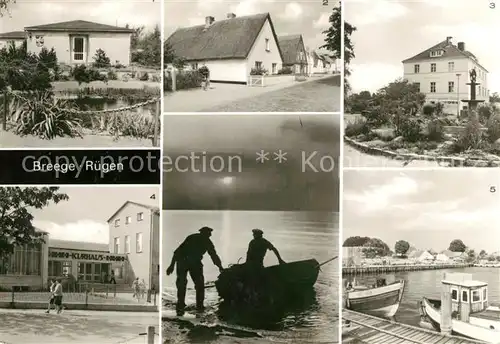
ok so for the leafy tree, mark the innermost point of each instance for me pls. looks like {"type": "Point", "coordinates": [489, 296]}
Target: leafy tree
{"type": "Point", "coordinates": [482, 254]}
{"type": "Point", "coordinates": [377, 247]}
{"type": "Point", "coordinates": [147, 46]}
{"type": "Point", "coordinates": [333, 41]}
{"type": "Point", "coordinates": [5, 5]}
{"type": "Point", "coordinates": [491, 258]}
{"type": "Point", "coordinates": [401, 247]}
{"type": "Point", "coordinates": [16, 219]}
{"type": "Point", "coordinates": [457, 245]}
{"type": "Point", "coordinates": [498, 258]}
{"type": "Point", "coordinates": [359, 102]}
{"type": "Point", "coordinates": [471, 256]}
{"type": "Point", "coordinates": [400, 96]}
{"type": "Point", "coordinates": [101, 60]}
{"type": "Point", "coordinates": [356, 241]}
{"type": "Point", "coordinates": [135, 37]}
{"type": "Point", "coordinates": [24, 71]}
{"type": "Point", "coordinates": [495, 98]}
{"type": "Point", "coordinates": [168, 53]}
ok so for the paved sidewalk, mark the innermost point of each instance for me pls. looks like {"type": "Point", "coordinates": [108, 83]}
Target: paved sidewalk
{"type": "Point", "coordinates": [75, 327]}
{"type": "Point", "coordinates": [219, 94]}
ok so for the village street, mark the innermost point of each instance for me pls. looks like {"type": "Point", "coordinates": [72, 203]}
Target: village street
{"type": "Point", "coordinates": [34, 326]}
{"type": "Point", "coordinates": [314, 95]}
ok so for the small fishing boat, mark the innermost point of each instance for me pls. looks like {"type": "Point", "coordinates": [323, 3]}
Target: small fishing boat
{"type": "Point", "coordinates": [239, 284]}
{"type": "Point", "coordinates": [467, 312]}
{"type": "Point", "coordinates": [381, 300]}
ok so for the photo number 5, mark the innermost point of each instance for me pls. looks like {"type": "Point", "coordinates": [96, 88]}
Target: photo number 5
{"type": "Point", "coordinates": [493, 189]}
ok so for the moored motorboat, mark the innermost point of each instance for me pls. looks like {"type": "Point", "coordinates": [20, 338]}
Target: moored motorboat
{"type": "Point", "coordinates": [381, 300]}
{"type": "Point", "coordinates": [463, 310]}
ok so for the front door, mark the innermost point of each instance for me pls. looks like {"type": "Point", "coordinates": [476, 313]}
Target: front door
{"type": "Point", "coordinates": [79, 49]}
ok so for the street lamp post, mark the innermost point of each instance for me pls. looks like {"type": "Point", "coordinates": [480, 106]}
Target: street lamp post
{"type": "Point", "coordinates": [458, 95]}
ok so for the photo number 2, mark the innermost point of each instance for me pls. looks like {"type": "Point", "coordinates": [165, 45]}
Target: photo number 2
{"type": "Point", "coordinates": [325, 2]}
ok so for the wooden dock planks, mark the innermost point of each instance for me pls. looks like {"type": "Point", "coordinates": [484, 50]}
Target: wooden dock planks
{"type": "Point", "coordinates": [372, 330]}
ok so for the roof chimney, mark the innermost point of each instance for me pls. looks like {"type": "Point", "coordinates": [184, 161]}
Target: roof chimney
{"type": "Point", "coordinates": [461, 46]}
{"type": "Point", "coordinates": [448, 40]}
{"type": "Point", "coordinates": [209, 21]}
{"type": "Point", "coordinates": [231, 16]}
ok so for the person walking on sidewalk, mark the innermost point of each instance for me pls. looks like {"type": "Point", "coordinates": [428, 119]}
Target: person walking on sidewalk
{"type": "Point", "coordinates": [136, 288]}
{"type": "Point", "coordinates": [58, 296]}
{"type": "Point", "coordinates": [52, 298]}
{"type": "Point", "coordinates": [205, 74]}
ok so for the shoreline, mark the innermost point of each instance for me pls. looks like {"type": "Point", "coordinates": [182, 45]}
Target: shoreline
{"type": "Point", "coordinates": [377, 269]}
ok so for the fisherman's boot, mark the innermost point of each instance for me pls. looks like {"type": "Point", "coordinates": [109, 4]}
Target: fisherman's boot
{"type": "Point", "coordinates": [200, 298]}
{"type": "Point", "coordinates": [181, 297]}
{"type": "Point", "coordinates": [179, 310]}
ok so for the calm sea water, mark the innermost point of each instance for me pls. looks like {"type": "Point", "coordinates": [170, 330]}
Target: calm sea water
{"type": "Point", "coordinates": [297, 235]}
{"type": "Point", "coordinates": [428, 284]}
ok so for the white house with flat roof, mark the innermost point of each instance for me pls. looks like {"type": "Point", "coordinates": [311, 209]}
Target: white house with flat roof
{"type": "Point", "coordinates": [15, 37]}
{"type": "Point", "coordinates": [77, 41]}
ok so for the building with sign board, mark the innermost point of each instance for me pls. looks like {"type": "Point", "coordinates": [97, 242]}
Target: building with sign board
{"type": "Point", "coordinates": [92, 263]}
{"type": "Point", "coordinates": [134, 230]}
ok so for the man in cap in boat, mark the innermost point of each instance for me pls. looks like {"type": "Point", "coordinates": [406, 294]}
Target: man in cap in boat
{"type": "Point", "coordinates": [257, 250]}
{"type": "Point", "coordinates": [256, 285]}
{"type": "Point", "coordinates": [188, 259]}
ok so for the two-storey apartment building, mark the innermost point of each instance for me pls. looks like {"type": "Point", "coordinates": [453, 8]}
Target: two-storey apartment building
{"type": "Point", "coordinates": [134, 230]}
{"type": "Point", "coordinates": [442, 73]}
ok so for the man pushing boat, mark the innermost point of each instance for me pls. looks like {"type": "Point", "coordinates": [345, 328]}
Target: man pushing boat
{"type": "Point", "coordinates": [257, 249]}
{"type": "Point", "coordinates": [188, 259]}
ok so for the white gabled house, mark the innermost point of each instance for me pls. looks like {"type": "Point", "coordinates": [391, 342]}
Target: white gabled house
{"type": "Point", "coordinates": [230, 48]}
{"type": "Point", "coordinates": [449, 256]}
{"type": "Point", "coordinates": [421, 256]}
{"type": "Point", "coordinates": [322, 62]}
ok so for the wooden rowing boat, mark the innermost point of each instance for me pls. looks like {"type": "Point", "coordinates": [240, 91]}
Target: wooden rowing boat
{"type": "Point", "coordinates": [381, 300]}
{"type": "Point", "coordinates": [270, 285]}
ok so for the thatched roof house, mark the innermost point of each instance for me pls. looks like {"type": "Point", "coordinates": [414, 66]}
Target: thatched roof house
{"type": "Point", "coordinates": [294, 52]}
{"type": "Point", "coordinates": [321, 61]}
{"type": "Point", "coordinates": [231, 47]}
